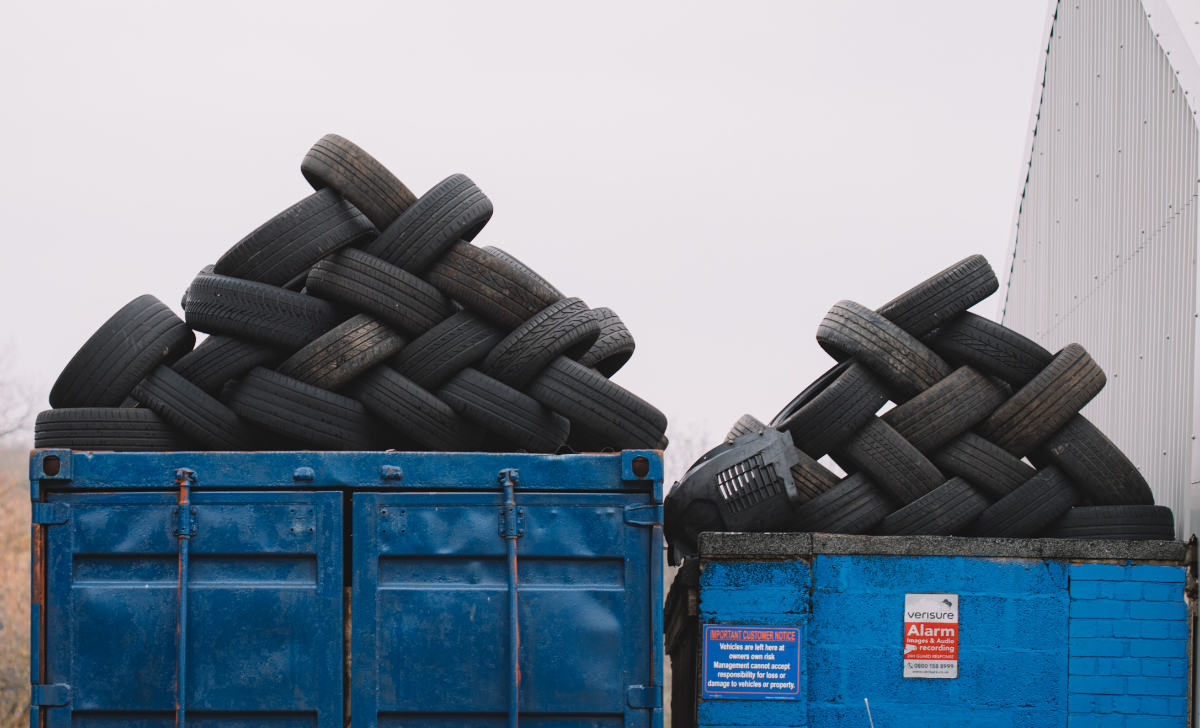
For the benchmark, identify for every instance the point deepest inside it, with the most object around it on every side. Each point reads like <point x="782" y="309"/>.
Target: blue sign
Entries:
<point x="751" y="663"/>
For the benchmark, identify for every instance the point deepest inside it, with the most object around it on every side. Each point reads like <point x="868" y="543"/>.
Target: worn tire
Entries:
<point x="1046" y="403"/>
<point x="494" y="288"/>
<point x="990" y="348"/>
<point x="564" y="328"/>
<point x="891" y="462"/>
<point x="290" y="243"/>
<point x="947" y="409"/>
<point x="984" y="464"/>
<point x="416" y="412"/>
<point x="1115" y="523"/>
<point x="832" y="408"/>
<point x="744" y="426"/>
<point x="921" y="309"/>
<point x="853" y="506"/>
<point x="455" y="209"/>
<point x="1097" y="467"/>
<point x="446" y="349"/>
<point x="505" y="411"/>
<point x="905" y="364"/>
<point x="585" y="396"/>
<point x="392" y="295"/>
<point x="126" y="347"/>
<point x="129" y="429"/>
<point x="263" y="314"/>
<point x="195" y="413"/>
<point x="1029" y="509"/>
<point x="341" y="164"/>
<point x="346" y="351"/>
<point x="613" y="348"/>
<point x="502" y="255"/>
<point x="945" y="511"/>
<point x="219" y="359"/>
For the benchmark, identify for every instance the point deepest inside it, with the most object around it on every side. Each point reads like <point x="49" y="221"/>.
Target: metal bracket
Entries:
<point x="644" y="696"/>
<point x="644" y="515"/>
<point x="50" y="514"/>
<point x="50" y="695"/>
<point x="511" y="521"/>
<point x="185" y="521"/>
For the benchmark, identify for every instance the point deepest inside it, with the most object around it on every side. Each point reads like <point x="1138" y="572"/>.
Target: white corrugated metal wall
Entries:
<point x="1104" y="251"/>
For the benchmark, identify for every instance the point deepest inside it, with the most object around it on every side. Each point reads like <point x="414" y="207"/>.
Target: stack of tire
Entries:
<point x="985" y="438"/>
<point x="360" y="318"/>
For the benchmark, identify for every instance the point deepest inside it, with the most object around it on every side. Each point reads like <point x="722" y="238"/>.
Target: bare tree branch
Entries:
<point x="18" y="399"/>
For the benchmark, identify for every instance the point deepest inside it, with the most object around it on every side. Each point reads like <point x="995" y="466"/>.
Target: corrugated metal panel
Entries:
<point x="1105" y="245"/>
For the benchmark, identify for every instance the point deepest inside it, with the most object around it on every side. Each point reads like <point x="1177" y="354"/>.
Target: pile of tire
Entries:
<point x="360" y="318"/>
<point x="984" y="439"/>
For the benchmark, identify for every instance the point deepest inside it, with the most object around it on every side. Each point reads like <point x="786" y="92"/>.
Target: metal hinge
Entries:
<point x="511" y="521"/>
<point x="185" y="526"/>
<point x="51" y="514"/>
<point x="644" y="696"/>
<point x="644" y="515"/>
<point x="50" y="695"/>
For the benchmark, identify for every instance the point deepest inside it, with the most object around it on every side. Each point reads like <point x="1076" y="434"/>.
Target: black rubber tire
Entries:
<point x="303" y="412"/>
<point x="853" y="506"/>
<point x="891" y="462"/>
<point x="990" y="348"/>
<point x="494" y="288"/>
<point x="1115" y="523"/>
<point x="1103" y="473"/>
<point x="198" y="415"/>
<point x="127" y="347"/>
<point x="908" y="366"/>
<point x="832" y="408"/>
<point x="585" y="396"/>
<point x="947" y="409"/>
<point x="564" y="328"/>
<point x="205" y="271"/>
<point x="613" y="348"/>
<point x="392" y="295"/>
<point x="446" y="349"/>
<point x="290" y="243"/>
<point x="1046" y="403"/>
<point x="1029" y="509"/>
<point x="983" y="464"/>
<point x="505" y="411"/>
<point x="502" y="255"/>
<point x="129" y="429"/>
<point x="744" y="426"/>
<point x="219" y="359"/>
<point x="455" y="209"/>
<point x="921" y="309"/>
<point x="946" y="511"/>
<point x="346" y="351"/>
<point x="416" y="412"/>
<point x="263" y="314"/>
<point x="341" y="164"/>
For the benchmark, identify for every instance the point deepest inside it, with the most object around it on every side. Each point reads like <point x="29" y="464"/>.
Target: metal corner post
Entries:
<point x="512" y="527"/>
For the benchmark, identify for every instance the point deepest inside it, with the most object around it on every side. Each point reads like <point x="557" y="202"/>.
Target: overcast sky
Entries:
<point x="718" y="174"/>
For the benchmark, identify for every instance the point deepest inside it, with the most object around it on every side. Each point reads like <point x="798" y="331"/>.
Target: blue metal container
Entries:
<point x="308" y="588"/>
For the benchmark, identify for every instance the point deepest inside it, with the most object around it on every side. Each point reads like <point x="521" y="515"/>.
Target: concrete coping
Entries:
<point x="783" y="546"/>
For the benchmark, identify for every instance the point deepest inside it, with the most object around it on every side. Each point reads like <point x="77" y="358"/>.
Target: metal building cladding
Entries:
<point x="1104" y="239"/>
<point x="1049" y="632"/>
<point x="308" y="588"/>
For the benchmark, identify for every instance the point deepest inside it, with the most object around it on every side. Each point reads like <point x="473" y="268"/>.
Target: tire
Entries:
<point x="1046" y="403"/>
<point x="1028" y="510"/>
<point x="983" y="464"/>
<point x="832" y="408"/>
<point x="1096" y="466"/>
<point x="263" y="314"/>
<point x="905" y="364"/>
<point x="303" y="412"/>
<point x="416" y="412"/>
<point x="1115" y="523"/>
<point x="583" y="395"/>
<point x="127" y="347"/>
<point x="853" y="506"/>
<point x="947" y="409"/>
<point x="348" y="350"/>
<point x="196" y="414"/>
<point x="990" y="348"/>
<point x="921" y="309"/>
<point x="744" y="426"/>
<point x="455" y="209"/>
<point x="946" y="511"/>
<point x="130" y="429"/>
<point x="613" y="348"/>
<point x="219" y="359"/>
<point x="205" y="271"/>
<point x="495" y="289"/>
<point x="288" y="244"/>
<point x="564" y="328"/>
<point x="390" y="294"/>
<point x="505" y="411"/>
<point x="529" y="271"/>
<point x="891" y="462"/>
<point x="446" y="349"/>
<point x="341" y="164"/>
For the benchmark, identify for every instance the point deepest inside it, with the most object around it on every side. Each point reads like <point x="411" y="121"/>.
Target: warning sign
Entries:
<point x="931" y="635"/>
<point x="751" y="663"/>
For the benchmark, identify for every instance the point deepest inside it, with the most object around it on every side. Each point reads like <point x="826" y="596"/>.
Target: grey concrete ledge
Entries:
<point x="804" y="545"/>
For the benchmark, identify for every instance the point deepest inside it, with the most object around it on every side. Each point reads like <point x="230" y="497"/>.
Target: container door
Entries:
<point x="264" y="617"/>
<point x="430" y="611"/>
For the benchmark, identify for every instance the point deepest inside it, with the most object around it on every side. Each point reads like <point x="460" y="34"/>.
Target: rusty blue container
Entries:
<point x="329" y="589"/>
